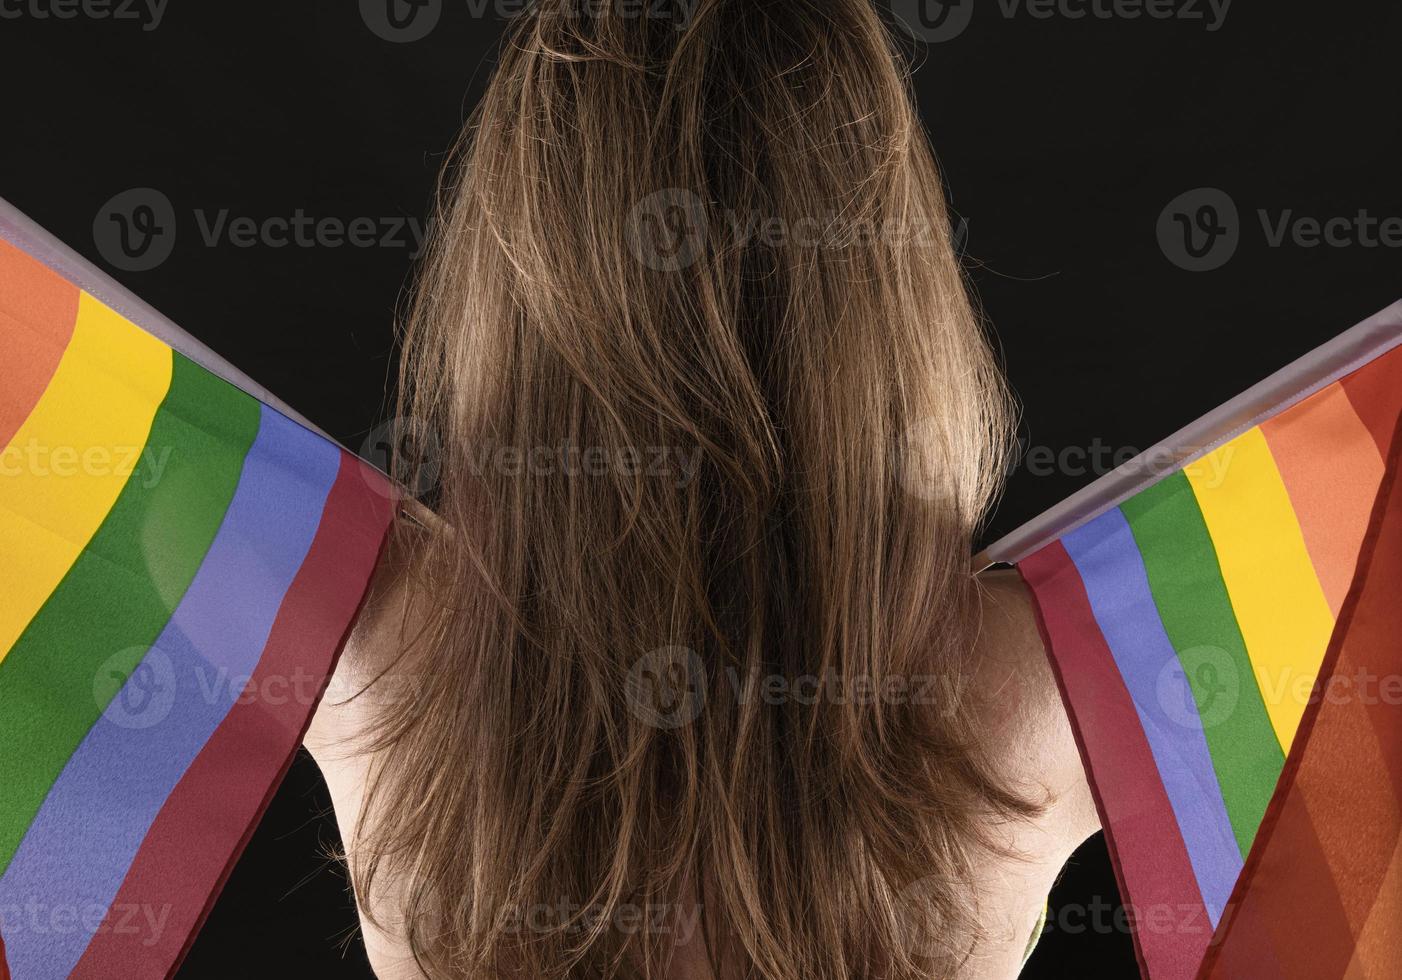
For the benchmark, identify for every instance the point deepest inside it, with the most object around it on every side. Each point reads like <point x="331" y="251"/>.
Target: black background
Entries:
<point x="1062" y="139"/>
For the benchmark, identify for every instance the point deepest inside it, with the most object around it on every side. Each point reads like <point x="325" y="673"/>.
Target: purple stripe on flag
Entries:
<point x="1112" y="569"/>
<point x="77" y="852"/>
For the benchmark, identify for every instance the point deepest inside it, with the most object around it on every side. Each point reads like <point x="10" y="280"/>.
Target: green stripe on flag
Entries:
<point x="120" y="593"/>
<point x="1192" y="599"/>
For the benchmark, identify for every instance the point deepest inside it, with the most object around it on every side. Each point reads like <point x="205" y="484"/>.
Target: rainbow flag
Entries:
<point x="181" y="560"/>
<point x="1223" y="615"/>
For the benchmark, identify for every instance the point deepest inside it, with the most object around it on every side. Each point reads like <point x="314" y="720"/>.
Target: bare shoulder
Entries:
<point x="1023" y="708"/>
<point x="369" y="667"/>
<point x="340" y="739"/>
<point x="1021" y="716"/>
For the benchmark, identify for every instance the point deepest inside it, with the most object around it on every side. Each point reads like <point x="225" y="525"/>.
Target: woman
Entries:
<point x="690" y="676"/>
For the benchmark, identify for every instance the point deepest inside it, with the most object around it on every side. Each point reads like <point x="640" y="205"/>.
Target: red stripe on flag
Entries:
<point x="1336" y="821"/>
<point x="1167" y="917"/>
<point x="1376" y="393"/>
<point x="205" y="824"/>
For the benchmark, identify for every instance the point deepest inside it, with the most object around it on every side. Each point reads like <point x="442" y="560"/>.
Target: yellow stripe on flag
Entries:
<point x="1279" y="605"/>
<point x="65" y="466"/>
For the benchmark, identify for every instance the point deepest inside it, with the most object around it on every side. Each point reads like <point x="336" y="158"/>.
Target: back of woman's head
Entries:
<point x="716" y="423"/>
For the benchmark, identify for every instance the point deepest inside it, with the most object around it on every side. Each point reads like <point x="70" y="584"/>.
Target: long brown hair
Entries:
<point x="715" y="425"/>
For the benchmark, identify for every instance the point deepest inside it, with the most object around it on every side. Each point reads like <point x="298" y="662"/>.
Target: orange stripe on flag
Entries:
<point x="1331" y="469"/>
<point x="37" y="311"/>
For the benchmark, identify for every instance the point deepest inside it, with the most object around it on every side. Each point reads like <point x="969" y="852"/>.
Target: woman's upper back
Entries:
<point x="713" y="424"/>
<point x="1026" y="724"/>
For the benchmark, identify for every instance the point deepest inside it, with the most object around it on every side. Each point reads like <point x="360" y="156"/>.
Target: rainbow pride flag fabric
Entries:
<point x="180" y="560"/>
<point x="1224" y="616"/>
